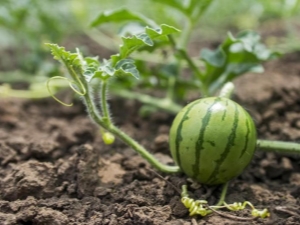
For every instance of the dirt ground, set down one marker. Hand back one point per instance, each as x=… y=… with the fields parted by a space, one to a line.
x=56 y=170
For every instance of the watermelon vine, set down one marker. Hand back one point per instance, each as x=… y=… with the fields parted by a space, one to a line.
x=212 y=139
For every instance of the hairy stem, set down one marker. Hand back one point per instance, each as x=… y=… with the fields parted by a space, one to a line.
x=142 y=151
x=95 y=115
x=104 y=105
x=278 y=146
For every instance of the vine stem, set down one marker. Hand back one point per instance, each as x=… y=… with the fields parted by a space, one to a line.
x=187 y=58
x=106 y=124
x=223 y=194
x=104 y=106
x=278 y=146
x=184 y=55
x=142 y=151
x=163 y=103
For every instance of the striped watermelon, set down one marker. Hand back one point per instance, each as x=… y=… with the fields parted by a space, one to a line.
x=212 y=140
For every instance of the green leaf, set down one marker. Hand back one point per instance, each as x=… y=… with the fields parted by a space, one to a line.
x=74 y=62
x=215 y=58
x=127 y=67
x=121 y=15
x=91 y=65
x=135 y=42
x=234 y=57
x=70 y=60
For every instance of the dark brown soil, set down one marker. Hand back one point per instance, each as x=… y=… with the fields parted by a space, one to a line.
x=56 y=170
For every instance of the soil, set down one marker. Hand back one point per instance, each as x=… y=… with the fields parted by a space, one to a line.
x=56 y=170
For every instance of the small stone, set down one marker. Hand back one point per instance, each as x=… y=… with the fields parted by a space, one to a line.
x=286 y=163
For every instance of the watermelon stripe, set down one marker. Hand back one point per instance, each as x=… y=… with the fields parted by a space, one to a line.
x=230 y=143
x=212 y=140
x=246 y=139
x=200 y=141
x=224 y=115
x=178 y=133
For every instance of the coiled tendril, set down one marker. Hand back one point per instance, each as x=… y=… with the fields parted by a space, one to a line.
x=201 y=207
x=196 y=207
x=71 y=83
x=240 y=206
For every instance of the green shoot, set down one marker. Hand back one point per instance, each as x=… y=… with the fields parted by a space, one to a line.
x=82 y=71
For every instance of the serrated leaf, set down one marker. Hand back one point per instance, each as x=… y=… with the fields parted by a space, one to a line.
x=130 y=44
x=70 y=60
x=85 y=67
x=91 y=67
x=127 y=67
x=234 y=57
x=121 y=15
x=123 y=67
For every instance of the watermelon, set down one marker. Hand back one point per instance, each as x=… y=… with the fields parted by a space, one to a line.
x=212 y=140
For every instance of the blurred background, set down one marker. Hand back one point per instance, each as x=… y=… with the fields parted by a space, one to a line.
x=25 y=25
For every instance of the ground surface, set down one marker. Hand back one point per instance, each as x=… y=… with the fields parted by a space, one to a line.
x=56 y=170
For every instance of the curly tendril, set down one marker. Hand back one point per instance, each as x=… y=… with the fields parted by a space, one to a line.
x=71 y=83
x=201 y=207
x=240 y=206
x=198 y=207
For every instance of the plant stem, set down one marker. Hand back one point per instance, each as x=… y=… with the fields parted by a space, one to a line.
x=93 y=112
x=187 y=58
x=223 y=194
x=278 y=146
x=227 y=90
x=142 y=151
x=170 y=88
x=165 y=103
x=186 y=34
x=183 y=54
x=104 y=106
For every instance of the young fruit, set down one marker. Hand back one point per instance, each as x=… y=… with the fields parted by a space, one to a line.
x=212 y=140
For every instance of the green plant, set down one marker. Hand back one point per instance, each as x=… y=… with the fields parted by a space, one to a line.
x=83 y=70
x=207 y=73
x=234 y=57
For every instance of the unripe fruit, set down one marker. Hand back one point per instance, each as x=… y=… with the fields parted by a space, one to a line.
x=212 y=140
